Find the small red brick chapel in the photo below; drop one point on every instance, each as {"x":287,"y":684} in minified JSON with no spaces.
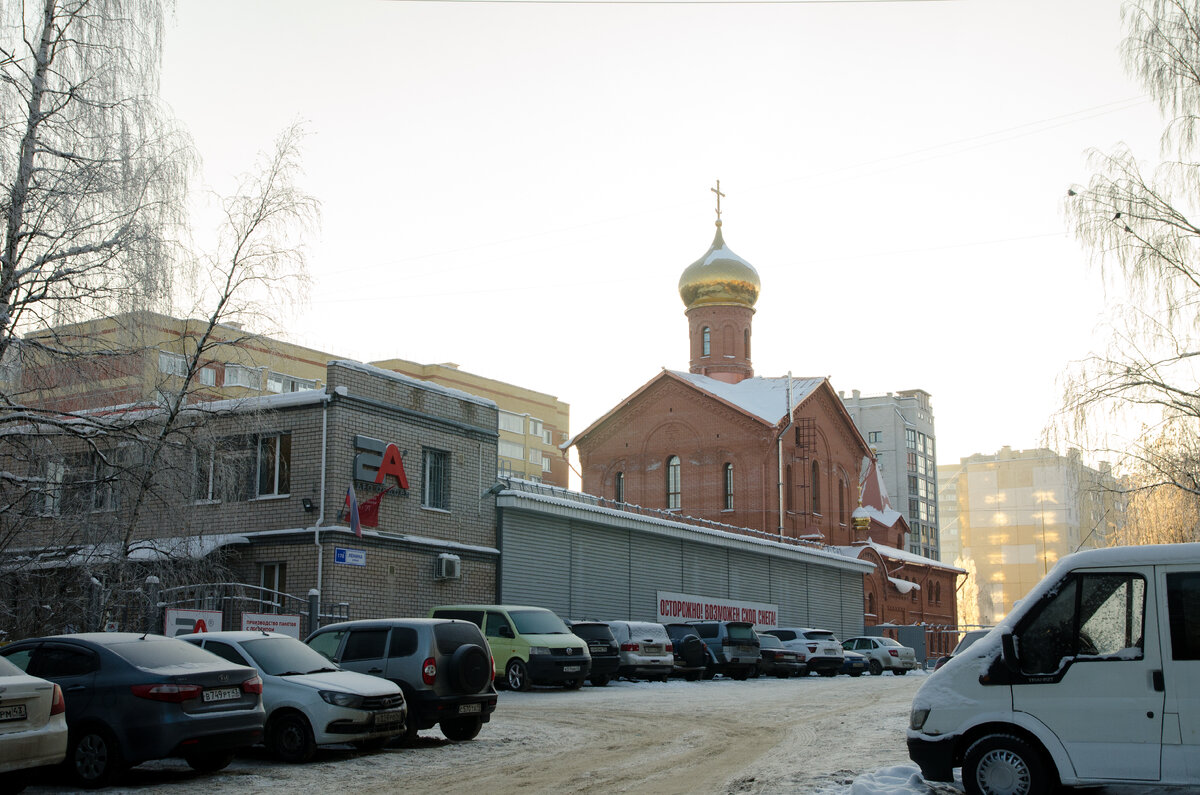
{"x":780,"y":456}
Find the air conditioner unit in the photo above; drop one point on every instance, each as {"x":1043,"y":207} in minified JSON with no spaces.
{"x":449,"y":567}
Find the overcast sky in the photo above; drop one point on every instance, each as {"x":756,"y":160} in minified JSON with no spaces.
{"x":518,"y":187}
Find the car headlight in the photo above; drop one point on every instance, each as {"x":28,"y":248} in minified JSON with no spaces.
{"x":916,"y":721}
{"x":340,"y":699}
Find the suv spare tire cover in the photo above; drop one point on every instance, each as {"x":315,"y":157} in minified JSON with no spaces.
{"x":470,"y":668}
{"x":692,"y":651}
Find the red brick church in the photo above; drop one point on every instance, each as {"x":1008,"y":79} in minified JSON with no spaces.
{"x":774,"y":455}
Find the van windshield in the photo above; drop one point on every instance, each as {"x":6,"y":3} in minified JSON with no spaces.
{"x":538,"y":622}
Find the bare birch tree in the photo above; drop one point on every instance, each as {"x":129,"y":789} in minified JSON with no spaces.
{"x":1138,"y":222}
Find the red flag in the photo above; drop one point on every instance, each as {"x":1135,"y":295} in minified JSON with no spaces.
{"x":368,"y":512}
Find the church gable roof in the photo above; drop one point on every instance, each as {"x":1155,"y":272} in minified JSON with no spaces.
{"x":764,"y":398}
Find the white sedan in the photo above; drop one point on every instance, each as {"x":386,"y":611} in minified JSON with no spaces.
{"x":33,"y":725}
{"x":310,"y":701}
{"x":883,"y":654}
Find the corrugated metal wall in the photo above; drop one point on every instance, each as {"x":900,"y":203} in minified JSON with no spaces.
{"x":590,"y":570}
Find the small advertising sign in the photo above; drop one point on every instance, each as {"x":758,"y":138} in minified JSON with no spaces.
{"x":350,"y":557}
{"x":272,"y":622}
{"x":181,"y":622}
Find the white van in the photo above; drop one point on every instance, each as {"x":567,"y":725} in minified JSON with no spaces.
{"x":1094,"y":678}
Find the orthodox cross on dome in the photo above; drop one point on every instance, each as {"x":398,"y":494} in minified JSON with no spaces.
{"x":717,"y":190}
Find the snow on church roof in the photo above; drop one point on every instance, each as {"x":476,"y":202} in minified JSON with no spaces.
{"x":765,"y":398}
{"x":901,"y":555}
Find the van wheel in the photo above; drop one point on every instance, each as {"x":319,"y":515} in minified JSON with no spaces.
{"x":599,"y":681}
{"x":573,"y":684}
{"x":517,"y":676}
{"x":290,"y":738}
{"x":876,"y":668}
{"x":209,"y":761}
{"x":1001,"y":764}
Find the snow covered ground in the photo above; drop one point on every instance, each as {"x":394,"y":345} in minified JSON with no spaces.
{"x":818,"y":736}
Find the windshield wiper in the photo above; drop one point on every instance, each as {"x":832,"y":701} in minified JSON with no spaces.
{"x":323,"y":670}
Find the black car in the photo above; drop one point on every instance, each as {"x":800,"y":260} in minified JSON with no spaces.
{"x":693,"y":660}
{"x":132,"y":698}
{"x":606,"y":655}
{"x":777,"y":660}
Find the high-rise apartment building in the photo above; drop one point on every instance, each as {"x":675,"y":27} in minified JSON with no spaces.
{"x":532,"y":424}
{"x":899,"y":426}
{"x":1016,"y":512}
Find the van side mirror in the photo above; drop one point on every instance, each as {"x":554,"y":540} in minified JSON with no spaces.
{"x":506,"y":632}
{"x":1008,"y":652}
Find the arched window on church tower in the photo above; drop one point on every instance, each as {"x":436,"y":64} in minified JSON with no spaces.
{"x":673,"y":483}
{"x":746,"y":342}
{"x":816,"y":487}
{"x":729,"y":487}
{"x":619,"y":487}
{"x":706,"y":341}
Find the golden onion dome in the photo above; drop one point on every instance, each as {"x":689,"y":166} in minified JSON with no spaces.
{"x":719,"y":277}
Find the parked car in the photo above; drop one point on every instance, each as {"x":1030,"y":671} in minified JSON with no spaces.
{"x":309,"y":701}
{"x":602,"y":646}
{"x":854,"y":664}
{"x":733,"y":644}
{"x":692,"y":659}
{"x":821,"y":649}
{"x":967,"y":640}
{"x":883,"y":654}
{"x":646,"y":650}
{"x":443,"y":666}
{"x":33,"y":726}
{"x":776,"y":660}
{"x":530,"y":645}
{"x":1090,"y":680}
{"x":131,"y":698}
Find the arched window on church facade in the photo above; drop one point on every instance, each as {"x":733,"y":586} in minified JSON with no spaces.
{"x":673,"y":500}
{"x":816,"y":487}
{"x":871,"y":604}
{"x":706,"y":341}
{"x":619,"y":487}
{"x":746,"y":341}
{"x":729,"y":487}
{"x":841,"y":500}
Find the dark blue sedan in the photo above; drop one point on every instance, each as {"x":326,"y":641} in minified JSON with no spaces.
{"x":132,"y":698}
{"x":854,"y":664}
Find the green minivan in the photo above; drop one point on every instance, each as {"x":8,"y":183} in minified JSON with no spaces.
{"x":530,"y":645}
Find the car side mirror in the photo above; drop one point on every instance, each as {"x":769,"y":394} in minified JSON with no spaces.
{"x":506,"y":632}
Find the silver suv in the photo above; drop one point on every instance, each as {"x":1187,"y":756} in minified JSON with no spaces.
{"x":820,"y":649}
{"x":734,"y":645}
{"x":443,"y":666}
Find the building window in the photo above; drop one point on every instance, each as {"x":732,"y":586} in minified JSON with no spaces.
{"x":435,"y":490}
{"x":910,"y":436}
{"x":207,"y":376}
{"x":281,"y":383}
{"x":673,"y":500}
{"x":841,"y":500}
{"x":547,"y":436}
{"x":508,"y":449}
{"x":875,"y":437}
{"x":706,"y":342}
{"x":619,"y":487}
{"x":275,"y":465}
{"x":535,"y":427}
{"x":816,"y":487}
{"x":729,"y":487}
{"x":513,"y":423}
{"x":546,"y":463}
{"x":237,"y":375}
{"x":172,"y":364}
{"x":535,"y":456}
{"x":746,"y":341}
{"x":912,"y":462}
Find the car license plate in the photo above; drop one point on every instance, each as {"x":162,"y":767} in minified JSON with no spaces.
{"x":570,"y":669}
{"x":470,"y":709}
{"x":598,"y":649}
{"x":388,"y":718}
{"x":13,"y":712}
{"x":652,"y":648}
{"x":222,"y":694}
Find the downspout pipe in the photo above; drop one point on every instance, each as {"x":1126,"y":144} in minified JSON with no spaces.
{"x":321,"y":503}
{"x":779,"y":450}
